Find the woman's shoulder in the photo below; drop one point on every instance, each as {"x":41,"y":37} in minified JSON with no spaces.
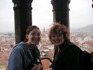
{"x":74,"y":47}
{"x":18,"y":47}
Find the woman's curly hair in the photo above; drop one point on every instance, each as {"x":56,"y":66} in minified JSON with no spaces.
{"x":59,"y":29}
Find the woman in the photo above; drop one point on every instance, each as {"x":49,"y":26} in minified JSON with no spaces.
{"x":67,"y":56}
{"x":25,"y":55}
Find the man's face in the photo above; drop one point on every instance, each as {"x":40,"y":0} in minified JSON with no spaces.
{"x":56,"y":39}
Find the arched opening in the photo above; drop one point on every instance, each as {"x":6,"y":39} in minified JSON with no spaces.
{"x":34,"y":21}
{"x":42,"y":14}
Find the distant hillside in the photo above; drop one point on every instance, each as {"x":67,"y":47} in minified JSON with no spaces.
{"x":88,"y":28}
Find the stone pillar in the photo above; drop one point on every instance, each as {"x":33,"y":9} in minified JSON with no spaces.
{"x":61,"y":11}
{"x":22,"y":17}
{"x":92,"y":3}
{"x":92,"y":52}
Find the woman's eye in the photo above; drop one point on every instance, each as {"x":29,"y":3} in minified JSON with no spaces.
{"x":33,"y":34}
{"x":38,"y":34}
{"x":53,"y":36}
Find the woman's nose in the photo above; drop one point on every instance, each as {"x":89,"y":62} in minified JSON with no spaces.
{"x":36,"y":35}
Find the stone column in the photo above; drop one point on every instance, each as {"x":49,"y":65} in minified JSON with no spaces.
{"x":22,"y":17}
{"x":92,"y":3}
{"x":61,"y":11}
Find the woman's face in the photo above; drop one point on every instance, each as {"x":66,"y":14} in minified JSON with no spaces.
{"x":34,"y":36}
{"x":56,"y":39}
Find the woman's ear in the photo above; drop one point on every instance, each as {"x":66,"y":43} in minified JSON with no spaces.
{"x":26,"y":36}
{"x":68,"y":35}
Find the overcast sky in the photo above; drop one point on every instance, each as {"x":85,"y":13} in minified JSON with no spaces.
{"x":81,"y":14}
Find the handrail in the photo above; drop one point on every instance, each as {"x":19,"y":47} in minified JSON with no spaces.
{"x":49,"y":60}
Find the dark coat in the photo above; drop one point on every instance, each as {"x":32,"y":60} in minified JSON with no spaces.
{"x":70,"y":57}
